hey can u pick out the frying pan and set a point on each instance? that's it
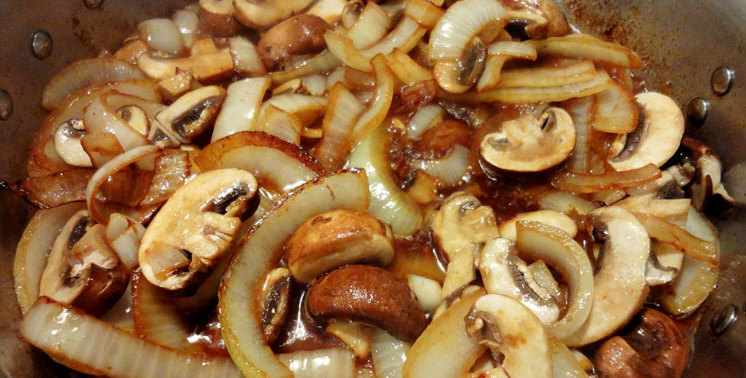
(682, 43)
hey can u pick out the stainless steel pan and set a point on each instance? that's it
(681, 41)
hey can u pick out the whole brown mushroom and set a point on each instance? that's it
(300, 34)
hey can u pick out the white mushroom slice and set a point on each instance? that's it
(656, 138)
(707, 189)
(656, 273)
(503, 272)
(195, 227)
(263, 14)
(192, 113)
(135, 117)
(509, 328)
(460, 228)
(81, 269)
(530, 143)
(459, 75)
(67, 143)
(274, 302)
(620, 287)
(552, 218)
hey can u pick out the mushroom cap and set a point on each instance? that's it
(369, 294)
(195, 226)
(262, 14)
(300, 34)
(528, 144)
(336, 238)
(657, 138)
(619, 287)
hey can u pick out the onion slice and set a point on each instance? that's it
(306, 108)
(589, 183)
(246, 60)
(499, 53)
(261, 249)
(406, 69)
(445, 349)
(320, 363)
(241, 106)
(370, 26)
(388, 354)
(425, 118)
(109, 169)
(323, 62)
(450, 169)
(586, 47)
(85, 73)
(537, 241)
(388, 203)
(573, 73)
(460, 24)
(101, 117)
(56, 189)
(344, 108)
(667, 232)
(33, 248)
(67, 334)
(425, 12)
(281, 124)
(381, 103)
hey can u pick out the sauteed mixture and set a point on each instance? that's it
(340, 188)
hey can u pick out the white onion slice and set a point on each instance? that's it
(462, 22)
(370, 26)
(425, 118)
(123, 235)
(161, 34)
(156, 317)
(120, 314)
(306, 108)
(110, 168)
(425, 12)
(406, 69)
(380, 104)
(261, 249)
(84, 342)
(581, 111)
(588, 47)
(320, 363)
(246, 60)
(566, 202)
(427, 291)
(388, 354)
(187, 22)
(344, 108)
(33, 248)
(85, 73)
(388, 203)
(241, 106)
(499, 53)
(281, 124)
(450, 169)
(323, 62)
(315, 84)
(99, 116)
(548, 76)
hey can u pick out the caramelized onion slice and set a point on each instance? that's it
(460, 24)
(588, 47)
(590, 183)
(85, 73)
(80, 341)
(668, 232)
(320, 363)
(323, 62)
(33, 248)
(261, 249)
(56, 189)
(335, 142)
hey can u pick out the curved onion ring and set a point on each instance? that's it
(260, 250)
(370, 26)
(109, 169)
(101, 117)
(460, 24)
(335, 143)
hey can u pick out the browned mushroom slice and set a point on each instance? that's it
(274, 302)
(195, 227)
(368, 294)
(540, 18)
(217, 16)
(262, 14)
(192, 113)
(337, 238)
(82, 270)
(207, 67)
(459, 75)
(300, 34)
(656, 348)
(531, 143)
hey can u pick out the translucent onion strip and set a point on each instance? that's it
(320, 363)
(187, 22)
(281, 124)
(667, 232)
(156, 317)
(406, 69)
(33, 248)
(344, 108)
(581, 111)
(450, 169)
(380, 104)
(306, 108)
(85, 73)
(101, 117)
(260, 250)
(388, 203)
(589, 183)
(246, 60)
(424, 12)
(371, 26)
(586, 47)
(123, 234)
(389, 354)
(425, 117)
(462, 22)
(522, 95)
(323, 62)
(82, 341)
(239, 111)
(161, 34)
(548, 76)
(566, 203)
(499, 53)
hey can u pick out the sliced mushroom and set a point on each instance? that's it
(552, 218)
(460, 227)
(657, 136)
(350, 13)
(262, 14)
(82, 270)
(657, 274)
(619, 286)
(530, 143)
(176, 85)
(135, 117)
(656, 349)
(368, 294)
(67, 143)
(195, 227)
(336, 238)
(459, 75)
(192, 113)
(503, 272)
(300, 34)
(274, 302)
(708, 191)
(511, 330)
(217, 17)
(206, 66)
(537, 19)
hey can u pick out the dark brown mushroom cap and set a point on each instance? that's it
(368, 294)
(300, 34)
